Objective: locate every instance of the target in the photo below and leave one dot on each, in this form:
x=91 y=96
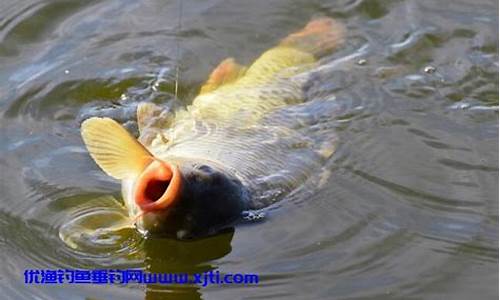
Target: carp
x=193 y=171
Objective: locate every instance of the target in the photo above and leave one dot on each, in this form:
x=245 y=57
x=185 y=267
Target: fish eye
x=201 y=173
x=205 y=168
x=206 y=174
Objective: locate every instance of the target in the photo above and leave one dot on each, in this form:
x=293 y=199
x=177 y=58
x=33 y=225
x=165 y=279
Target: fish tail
x=302 y=48
x=319 y=37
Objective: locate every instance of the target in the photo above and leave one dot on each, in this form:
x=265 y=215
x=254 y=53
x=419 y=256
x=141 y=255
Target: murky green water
x=410 y=210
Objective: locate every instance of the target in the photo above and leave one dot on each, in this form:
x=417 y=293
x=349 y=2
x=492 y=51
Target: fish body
x=194 y=170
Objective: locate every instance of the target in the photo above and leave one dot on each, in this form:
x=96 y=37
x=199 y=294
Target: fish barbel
x=193 y=171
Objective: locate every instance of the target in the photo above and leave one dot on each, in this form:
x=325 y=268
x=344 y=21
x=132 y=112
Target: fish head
x=178 y=197
x=185 y=200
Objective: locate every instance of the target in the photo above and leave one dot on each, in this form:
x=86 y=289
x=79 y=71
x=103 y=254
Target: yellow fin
x=113 y=148
x=298 y=51
x=226 y=72
x=318 y=37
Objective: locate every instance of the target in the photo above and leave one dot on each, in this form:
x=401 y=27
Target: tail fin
x=318 y=37
x=302 y=48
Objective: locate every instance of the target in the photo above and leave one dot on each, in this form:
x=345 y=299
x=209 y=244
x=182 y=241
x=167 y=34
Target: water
x=410 y=207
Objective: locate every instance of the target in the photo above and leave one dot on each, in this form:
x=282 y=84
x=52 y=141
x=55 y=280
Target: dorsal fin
x=113 y=148
x=226 y=72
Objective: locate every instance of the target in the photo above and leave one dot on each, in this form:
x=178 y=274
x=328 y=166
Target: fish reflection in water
x=191 y=257
x=100 y=230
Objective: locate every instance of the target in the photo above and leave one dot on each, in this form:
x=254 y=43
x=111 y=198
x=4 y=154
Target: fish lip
x=205 y=203
x=158 y=170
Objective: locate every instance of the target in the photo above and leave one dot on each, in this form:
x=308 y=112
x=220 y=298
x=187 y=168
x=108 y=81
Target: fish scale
x=229 y=147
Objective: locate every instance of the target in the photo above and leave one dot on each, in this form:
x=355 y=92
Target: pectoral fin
x=114 y=149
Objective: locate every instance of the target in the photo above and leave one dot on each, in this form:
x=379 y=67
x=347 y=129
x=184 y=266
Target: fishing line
x=177 y=51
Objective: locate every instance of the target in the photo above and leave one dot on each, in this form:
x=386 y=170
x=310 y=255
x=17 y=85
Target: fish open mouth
x=158 y=186
x=155 y=189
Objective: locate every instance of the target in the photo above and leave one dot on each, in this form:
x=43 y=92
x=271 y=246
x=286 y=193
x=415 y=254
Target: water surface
x=409 y=211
